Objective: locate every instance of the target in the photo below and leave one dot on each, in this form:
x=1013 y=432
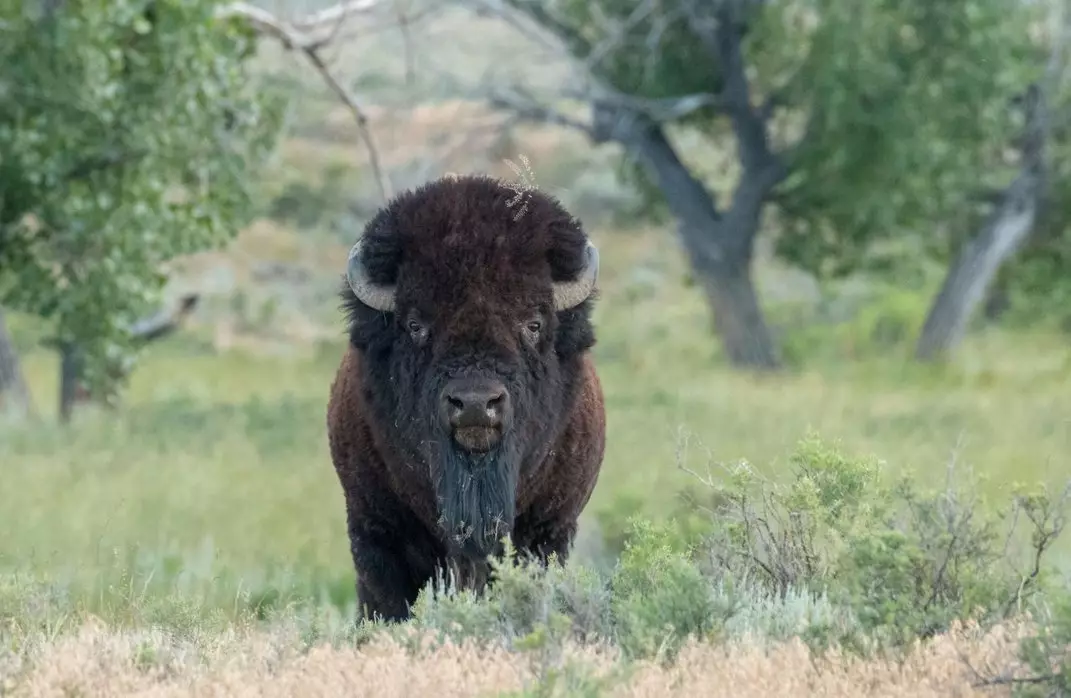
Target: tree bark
x=14 y=395
x=1002 y=235
x=969 y=277
x=738 y=319
x=70 y=388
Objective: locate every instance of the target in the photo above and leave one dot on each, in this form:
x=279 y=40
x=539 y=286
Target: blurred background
x=829 y=216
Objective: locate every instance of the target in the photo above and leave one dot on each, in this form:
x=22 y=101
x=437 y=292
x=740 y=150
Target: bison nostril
x=455 y=403
x=495 y=403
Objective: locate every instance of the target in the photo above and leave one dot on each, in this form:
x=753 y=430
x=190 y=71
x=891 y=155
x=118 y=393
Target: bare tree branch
x=407 y=39
x=313 y=32
x=310 y=37
x=722 y=32
x=526 y=108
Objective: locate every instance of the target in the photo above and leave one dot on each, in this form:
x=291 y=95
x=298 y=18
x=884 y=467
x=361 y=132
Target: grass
x=221 y=457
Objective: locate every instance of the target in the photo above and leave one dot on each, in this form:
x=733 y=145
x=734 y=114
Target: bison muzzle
x=466 y=408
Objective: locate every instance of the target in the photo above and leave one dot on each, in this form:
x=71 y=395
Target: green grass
x=214 y=479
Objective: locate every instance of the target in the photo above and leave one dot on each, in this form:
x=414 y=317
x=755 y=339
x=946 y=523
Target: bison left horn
x=573 y=293
x=371 y=294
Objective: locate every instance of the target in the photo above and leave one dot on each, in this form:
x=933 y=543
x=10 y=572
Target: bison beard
x=476 y=499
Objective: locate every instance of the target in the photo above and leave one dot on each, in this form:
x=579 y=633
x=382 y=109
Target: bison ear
x=568 y=294
x=373 y=295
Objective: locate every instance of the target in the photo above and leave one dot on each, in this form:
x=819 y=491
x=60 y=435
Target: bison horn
x=573 y=293
x=371 y=294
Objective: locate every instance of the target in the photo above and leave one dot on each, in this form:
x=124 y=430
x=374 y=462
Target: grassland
x=194 y=541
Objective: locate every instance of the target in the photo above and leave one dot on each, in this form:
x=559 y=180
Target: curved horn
x=369 y=293
x=572 y=293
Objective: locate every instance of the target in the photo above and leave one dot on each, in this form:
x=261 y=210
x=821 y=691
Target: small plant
x=660 y=597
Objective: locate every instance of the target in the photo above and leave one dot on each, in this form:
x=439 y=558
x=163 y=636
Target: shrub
x=656 y=598
x=904 y=562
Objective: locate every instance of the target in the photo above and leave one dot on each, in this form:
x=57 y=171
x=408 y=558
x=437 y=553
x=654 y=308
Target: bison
x=466 y=408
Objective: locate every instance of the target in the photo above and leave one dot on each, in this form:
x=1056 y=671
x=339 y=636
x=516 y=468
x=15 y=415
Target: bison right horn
x=573 y=293
x=371 y=294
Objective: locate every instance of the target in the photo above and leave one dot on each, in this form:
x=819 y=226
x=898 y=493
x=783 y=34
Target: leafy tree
x=867 y=124
x=128 y=133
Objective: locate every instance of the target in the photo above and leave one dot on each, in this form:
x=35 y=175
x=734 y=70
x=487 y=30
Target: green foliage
x=905 y=562
x=659 y=596
x=909 y=106
x=129 y=134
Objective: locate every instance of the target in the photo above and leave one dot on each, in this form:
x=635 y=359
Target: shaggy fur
x=471 y=281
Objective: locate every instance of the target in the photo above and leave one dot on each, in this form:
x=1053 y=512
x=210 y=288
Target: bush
x=656 y=598
x=905 y=563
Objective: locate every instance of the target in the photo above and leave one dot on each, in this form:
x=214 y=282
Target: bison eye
x=531 y=330
x=417 y=330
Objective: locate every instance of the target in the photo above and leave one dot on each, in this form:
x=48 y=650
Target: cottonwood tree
x=129 y=132
x=859 y=123
x=1033 y=284
x=1036 y=197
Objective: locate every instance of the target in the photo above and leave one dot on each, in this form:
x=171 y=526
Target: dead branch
x=165 y=321
x=536 y=23
x=313 y=32
x=527 y=108
x=309 y=37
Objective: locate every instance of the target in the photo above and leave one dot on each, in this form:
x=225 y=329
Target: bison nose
x=475 y=404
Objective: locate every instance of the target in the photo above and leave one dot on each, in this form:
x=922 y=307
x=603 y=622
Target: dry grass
x=96 y=661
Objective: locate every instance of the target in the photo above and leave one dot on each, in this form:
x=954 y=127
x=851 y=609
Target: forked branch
x=310 y=36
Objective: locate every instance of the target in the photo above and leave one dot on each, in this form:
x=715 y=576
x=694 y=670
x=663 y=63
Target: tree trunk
x=14 y=395
x=738 y=319
x=976 y=267
x=70 y=380
x=1002 y=234
x=719 y=245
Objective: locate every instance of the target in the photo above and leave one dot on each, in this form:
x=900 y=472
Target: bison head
x=471 y=326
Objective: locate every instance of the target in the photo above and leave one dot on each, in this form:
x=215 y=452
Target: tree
x=863 y=123
x=1032 y=285
x=129 y=132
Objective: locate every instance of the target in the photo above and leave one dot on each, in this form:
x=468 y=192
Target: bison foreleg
x=545 y=540
x=385 y=590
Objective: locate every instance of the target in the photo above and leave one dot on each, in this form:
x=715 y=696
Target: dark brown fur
x=472 y=275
